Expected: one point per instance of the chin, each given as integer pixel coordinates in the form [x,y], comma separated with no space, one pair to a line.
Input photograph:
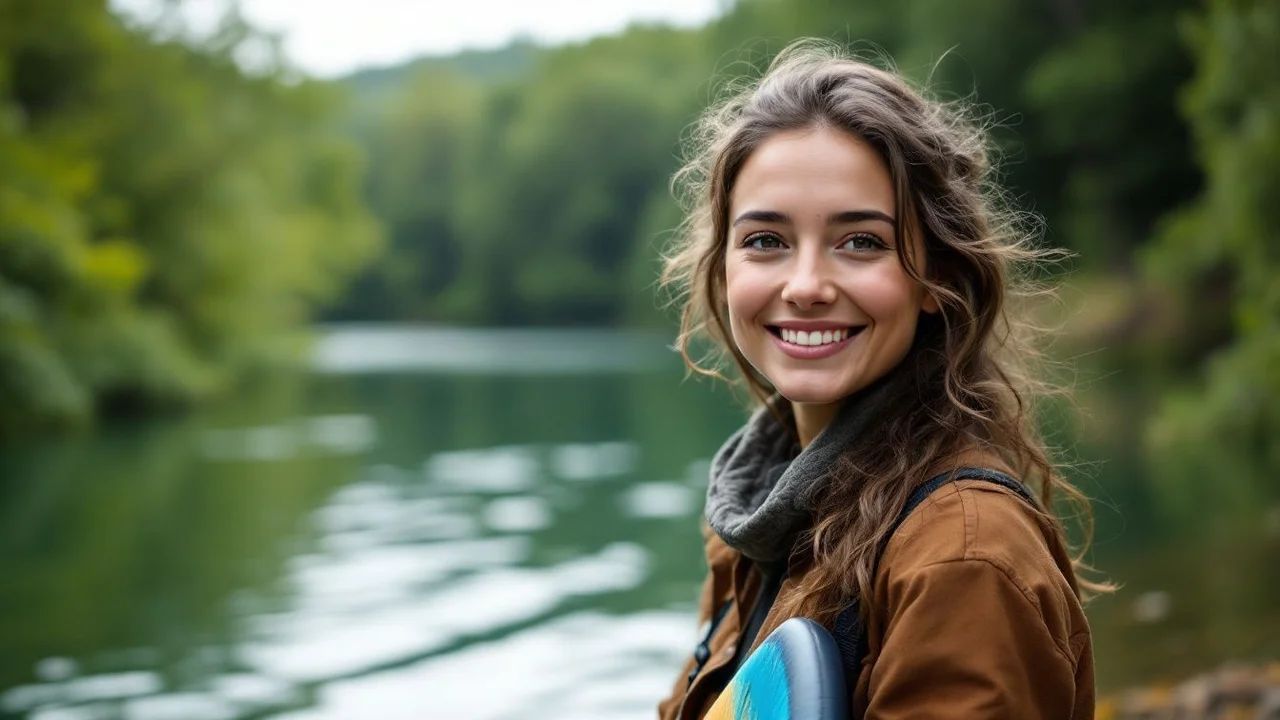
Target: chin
[811,393]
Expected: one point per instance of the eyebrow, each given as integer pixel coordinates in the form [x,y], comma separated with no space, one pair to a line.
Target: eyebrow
[840,218]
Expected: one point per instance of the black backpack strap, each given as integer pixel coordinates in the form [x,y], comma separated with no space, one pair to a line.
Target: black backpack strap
[702,653]
[849,631]
[851,640]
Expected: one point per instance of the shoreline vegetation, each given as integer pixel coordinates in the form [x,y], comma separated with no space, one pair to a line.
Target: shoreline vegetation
[1232,692]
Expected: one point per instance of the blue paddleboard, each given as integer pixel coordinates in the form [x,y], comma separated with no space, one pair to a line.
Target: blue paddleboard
[795,674]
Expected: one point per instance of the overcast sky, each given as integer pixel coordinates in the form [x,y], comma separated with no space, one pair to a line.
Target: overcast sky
[334,37]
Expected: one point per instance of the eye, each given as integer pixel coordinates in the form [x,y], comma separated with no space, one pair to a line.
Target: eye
[862,242]
[762,241]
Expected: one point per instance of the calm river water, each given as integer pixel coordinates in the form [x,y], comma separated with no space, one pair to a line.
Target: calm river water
[475,526]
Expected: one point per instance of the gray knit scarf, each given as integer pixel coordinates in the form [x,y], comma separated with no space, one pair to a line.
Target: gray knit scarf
[763,486]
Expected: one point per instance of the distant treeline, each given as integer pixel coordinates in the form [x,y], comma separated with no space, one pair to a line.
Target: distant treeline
[165,216]
[529,186]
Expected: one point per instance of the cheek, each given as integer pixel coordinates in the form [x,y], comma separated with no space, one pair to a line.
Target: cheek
[745,293]
[747,296]
[889,294]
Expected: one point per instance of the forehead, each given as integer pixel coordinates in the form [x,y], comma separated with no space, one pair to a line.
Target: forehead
[818,170]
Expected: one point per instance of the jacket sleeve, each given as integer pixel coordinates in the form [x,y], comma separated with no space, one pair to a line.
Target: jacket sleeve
[965,639]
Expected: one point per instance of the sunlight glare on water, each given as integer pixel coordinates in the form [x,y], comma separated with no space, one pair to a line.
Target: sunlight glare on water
[369,601]
[586,666]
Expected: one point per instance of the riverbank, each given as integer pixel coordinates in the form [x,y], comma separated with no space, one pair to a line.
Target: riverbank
[1233,692]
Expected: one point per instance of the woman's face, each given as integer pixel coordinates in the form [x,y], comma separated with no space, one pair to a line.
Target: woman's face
[818,300]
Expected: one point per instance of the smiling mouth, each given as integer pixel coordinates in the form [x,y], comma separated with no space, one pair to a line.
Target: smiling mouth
[815,337]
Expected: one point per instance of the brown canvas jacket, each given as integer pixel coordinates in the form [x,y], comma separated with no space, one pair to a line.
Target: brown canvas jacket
[975,616]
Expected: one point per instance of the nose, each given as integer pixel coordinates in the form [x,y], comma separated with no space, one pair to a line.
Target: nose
[809,281]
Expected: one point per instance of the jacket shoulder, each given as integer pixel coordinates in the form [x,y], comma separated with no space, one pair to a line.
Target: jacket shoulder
[973,522]
[970,520]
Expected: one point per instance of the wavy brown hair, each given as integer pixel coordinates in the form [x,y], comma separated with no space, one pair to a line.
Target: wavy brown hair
[967,382]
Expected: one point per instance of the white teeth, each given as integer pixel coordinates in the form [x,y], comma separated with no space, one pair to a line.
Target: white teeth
[809,339]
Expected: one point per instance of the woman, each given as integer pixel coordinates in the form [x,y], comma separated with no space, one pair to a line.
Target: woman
[844,248]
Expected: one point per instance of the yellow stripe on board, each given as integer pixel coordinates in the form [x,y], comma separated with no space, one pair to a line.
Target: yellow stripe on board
[722,709]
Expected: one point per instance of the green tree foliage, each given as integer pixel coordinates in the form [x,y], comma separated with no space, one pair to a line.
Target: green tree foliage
[418,149]
[523,201]
[164,215]
[1226,246]
[536,195]
[1114,151]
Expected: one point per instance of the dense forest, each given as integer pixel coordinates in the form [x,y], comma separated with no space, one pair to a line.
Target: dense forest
[167,217]
[565,154]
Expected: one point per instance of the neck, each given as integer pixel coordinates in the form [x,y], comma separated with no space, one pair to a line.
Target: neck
[812,419]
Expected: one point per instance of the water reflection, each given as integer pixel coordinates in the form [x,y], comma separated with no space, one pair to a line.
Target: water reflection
[329,434]
[582,666]
[311,550]
[360,545]
[660,499]
[388,348]
[408,577]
